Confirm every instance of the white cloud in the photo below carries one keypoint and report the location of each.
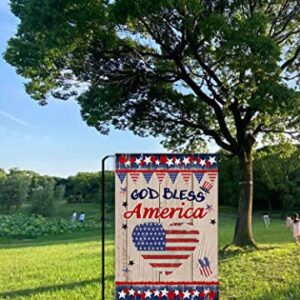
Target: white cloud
(13, 118)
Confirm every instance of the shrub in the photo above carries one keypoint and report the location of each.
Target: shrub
(19, 226)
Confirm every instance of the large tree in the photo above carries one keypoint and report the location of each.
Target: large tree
(182, 69)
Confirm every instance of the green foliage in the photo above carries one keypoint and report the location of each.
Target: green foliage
(18, 226)
(86, 188)
(177, 68)
(14, 188)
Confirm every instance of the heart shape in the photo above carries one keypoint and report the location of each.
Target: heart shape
(165, 249)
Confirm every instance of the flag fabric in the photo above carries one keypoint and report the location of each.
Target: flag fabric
(121, 176)
(165, 249)
(204, 267)
(173, 176)
(134, 176)
(199, 176)
(147, 176)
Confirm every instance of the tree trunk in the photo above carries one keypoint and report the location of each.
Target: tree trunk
(243, 227)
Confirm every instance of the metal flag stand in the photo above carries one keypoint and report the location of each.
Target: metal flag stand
(103, 222)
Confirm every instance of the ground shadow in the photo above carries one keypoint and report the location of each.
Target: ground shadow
(51, 288)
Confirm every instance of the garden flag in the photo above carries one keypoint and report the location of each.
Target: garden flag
(166, 226)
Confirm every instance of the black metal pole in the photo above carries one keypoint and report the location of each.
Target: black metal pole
(103, 222)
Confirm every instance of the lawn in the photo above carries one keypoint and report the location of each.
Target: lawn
(68, 266)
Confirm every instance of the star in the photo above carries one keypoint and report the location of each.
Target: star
(131, 292)
(212, 160)
(196, 293)
(176, 292)
(186, 294)
(157, 293)
(171, 295)
(138, 161)
(122, 159)
(186, 160)
(147, 160)
(148, 294)
(131, 262)
(202, 163)
(177, 161)
(209, 208)
(213, 221)
(125, 204)
(170, 162)
(122, 295)
(211, 295)
(157, 162)
(164, 292)
(124, 226)
(127, 163)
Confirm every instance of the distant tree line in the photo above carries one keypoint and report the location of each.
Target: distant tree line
(276, 185)
(276, 179)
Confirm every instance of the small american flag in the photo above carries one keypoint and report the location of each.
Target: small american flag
(204, 265)
(123, 190)
(165, 249)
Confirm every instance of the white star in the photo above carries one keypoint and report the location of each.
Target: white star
(170, 162)
(212, 160)
(164, 292)
(186, 294)
(177, 161)
(156, 293)
(176, 292)
(157, 162)
(148, 294)
(147, 160)
(206, 291)
(186, 161)
(202, 163)
(138, 161)
(127, 163)
(122, 295)
(131, 292)
(196, 293)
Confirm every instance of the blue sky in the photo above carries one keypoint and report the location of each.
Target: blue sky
(52, 139)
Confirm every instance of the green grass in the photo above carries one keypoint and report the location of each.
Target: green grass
(68, 266)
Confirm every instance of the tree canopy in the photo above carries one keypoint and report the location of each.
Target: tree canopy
(180, 68)
(184, 69)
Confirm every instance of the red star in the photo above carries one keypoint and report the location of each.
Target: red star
(211, 295)
(191, 159)
(180, 295)
(126, 290)
(202, 294)
(122, 159)
(153, 159)
(163, 159)
(207, 163)
(191, 292)
(171, 295)
(132, 159)
(143, 295)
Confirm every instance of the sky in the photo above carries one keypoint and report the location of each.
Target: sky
(53, 139)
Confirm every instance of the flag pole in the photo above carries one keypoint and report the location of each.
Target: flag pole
(103, 223)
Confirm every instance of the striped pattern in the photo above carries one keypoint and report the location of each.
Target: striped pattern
(212, 176)
(181, 242)
(186, 177)
(160, 176)
(134, 176)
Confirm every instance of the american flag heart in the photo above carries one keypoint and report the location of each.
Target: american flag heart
(165, 249)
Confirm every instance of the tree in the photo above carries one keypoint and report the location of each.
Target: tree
(226, 70)
(279, 167)
(14, 189)
(42, 197)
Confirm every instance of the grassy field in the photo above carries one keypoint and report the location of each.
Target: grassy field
(68, 266)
